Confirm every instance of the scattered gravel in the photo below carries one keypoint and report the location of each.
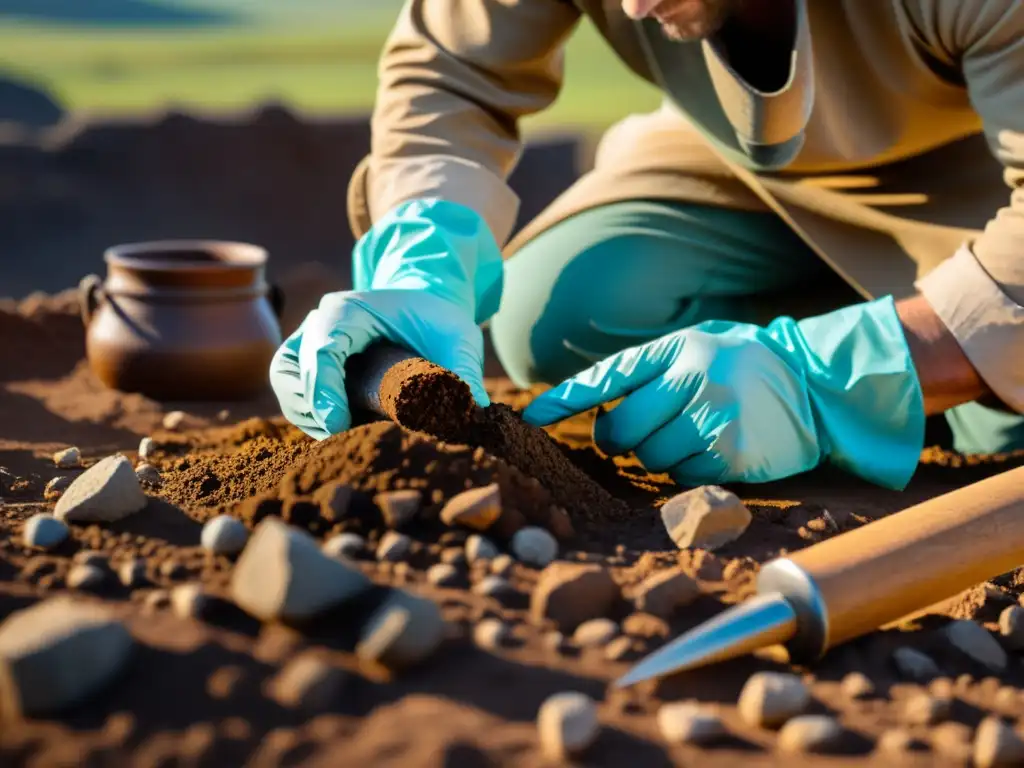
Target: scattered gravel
(502, 566)
(810, 733)
(88, 578)
(567, 724)
(345, 545)
(491, 633)
(595, 633)
(444, 575)
(685, 722)
(769, 699)
(393, 547)
(44, 531)
(494, 586)
(224, 535)
(534, 546)
(924, 709)
(479, 548)
(1011, 627)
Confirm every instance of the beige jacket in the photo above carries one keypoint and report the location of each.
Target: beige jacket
(895, 150)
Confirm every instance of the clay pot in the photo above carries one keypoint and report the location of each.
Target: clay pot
(182, 320)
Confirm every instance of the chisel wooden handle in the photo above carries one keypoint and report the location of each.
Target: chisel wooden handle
(871, 576)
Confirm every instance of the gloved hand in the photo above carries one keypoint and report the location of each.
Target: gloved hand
(425, 276)
(729, 402)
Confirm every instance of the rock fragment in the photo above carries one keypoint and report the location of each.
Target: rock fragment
(307, 682)
(975, 641)
(571, 593)
(857, 685)
(554, 641)
(69, 458)
(534, 546)
(224, 535)
(477, 508)
(912, 664)
(997, 744)
(685, 722)
(56, 654)
(403, 631)
(664, 593)
(44, 531)
(172, 421)
(454, 556)
(147, 448)
(188, 601)
(1011, 627)
(479, 548)
(156, 600)
(345, 545)
(810, 733)
(619, 648)
(282, 575)
(393, 547)
(57, 486)
(132, 573)
(491, 633)
(895, 742)
(148, 474)
(334, 500)
(444, 575)
(106, 492)
(595, 633)
(769, 699)
(924, 709)
(567, 724)
(502, 566)
(87, 578)
(494, 586)
(399, 507)
(708, 517)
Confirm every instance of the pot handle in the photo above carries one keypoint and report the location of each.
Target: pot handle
(90, 294)
(276, 297)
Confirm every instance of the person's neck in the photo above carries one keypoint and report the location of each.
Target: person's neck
(758, 40)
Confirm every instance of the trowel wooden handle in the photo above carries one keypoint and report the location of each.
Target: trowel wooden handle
(913, 559)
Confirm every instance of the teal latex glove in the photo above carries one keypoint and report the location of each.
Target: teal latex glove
(425, 276)
(730, 402)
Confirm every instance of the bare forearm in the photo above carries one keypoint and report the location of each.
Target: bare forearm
(947, 377)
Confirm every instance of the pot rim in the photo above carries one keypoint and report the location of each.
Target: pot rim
(235, 255)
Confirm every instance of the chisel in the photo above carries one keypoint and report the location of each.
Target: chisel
(854, 583)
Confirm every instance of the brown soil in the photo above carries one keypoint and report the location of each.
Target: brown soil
(197, 692)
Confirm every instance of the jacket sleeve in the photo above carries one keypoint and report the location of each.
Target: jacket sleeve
(979, 293)
(455, 77)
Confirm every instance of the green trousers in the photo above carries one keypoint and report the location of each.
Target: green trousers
(626, 273)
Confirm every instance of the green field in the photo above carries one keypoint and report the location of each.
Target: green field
(309, 58)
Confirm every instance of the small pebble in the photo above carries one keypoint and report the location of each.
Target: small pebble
(224, 535)
(57, 486)
(570, 593)
(478, 548)
(345, 545)
(132, 573)
(477, 508)
(156, 600)
(595, 633)
(914, 665)
(857, 685)
(924, 709)
(685, 722)
(173, 420)
(997, 744)
(223, 415)
(393, 547)
(454, 556)
(555, 642)
(148, 474)
(172, 569)
(307, 682)
(534, 546)
(707, 517)
(493, 586)
(399, 507)
(403, 631)
(85, 577)
(502, 565)
(953, 741)
(91, 557)
(895, 742)
(444, 575)
(1011, 627)
(809, 733)
(69, 458)
(619, 648)
(1006, 697)
(491, 633)
(44, 531)
(975, 641)
(146, 448)
(567, 724)
(188, 601)
(769, 699)
(665, 593)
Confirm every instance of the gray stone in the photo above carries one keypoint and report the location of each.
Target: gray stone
(975, 641)
(571, 593)
(996, 744)
(534, 546)
(147, 448)
(769, 699)
(188, 601)
(403, 631)
(810, 733)
(491, 633)
(478, 548)
(57, 486)
(224, 535)
(345, 545)
(493, 586)
(398, 508)
(44, 531)
(595, 633)
(914, 665)
(477, 508)
(393, 547)
(106, 492)
(86, 577)
(857, 685)
(664, 593)
(282, 575)
(148, 474)
(567, 725)
(444, 575)
(334, 499)
(174, 420)
(69, 458)
(156, 600)
(57, 654)
(309, 683)
(708, 517)
(1011, 627)
(684, 722)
